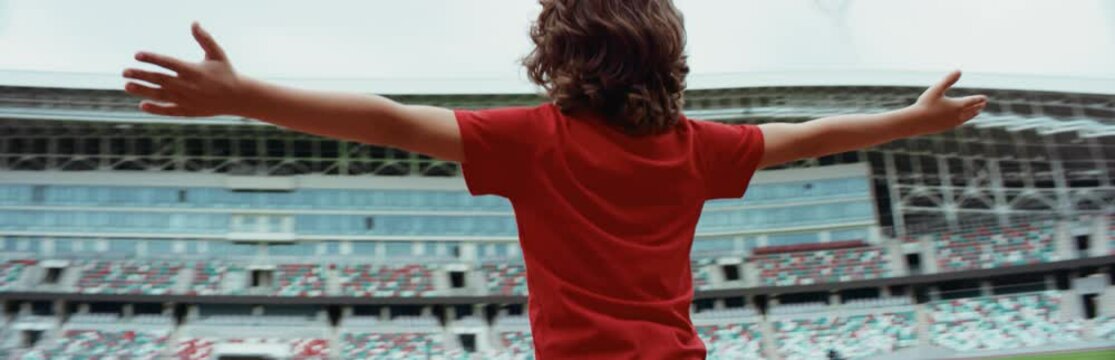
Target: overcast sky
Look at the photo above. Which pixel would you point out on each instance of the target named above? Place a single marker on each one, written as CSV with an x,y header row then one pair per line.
x,y
476,44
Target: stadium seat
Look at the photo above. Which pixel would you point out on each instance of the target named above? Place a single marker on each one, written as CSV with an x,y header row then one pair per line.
x,y
128,277
516,345
391,346
702,273
815,267
299,348
302,280
506,279
732,341
1104,327
851,336
103,344
1111,235
364,280
12,271
1001,322
989,247
209,279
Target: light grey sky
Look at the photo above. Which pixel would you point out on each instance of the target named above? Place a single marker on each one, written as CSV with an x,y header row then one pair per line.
x,y
447,46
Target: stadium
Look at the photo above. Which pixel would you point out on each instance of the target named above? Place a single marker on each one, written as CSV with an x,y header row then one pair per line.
x,y
128,236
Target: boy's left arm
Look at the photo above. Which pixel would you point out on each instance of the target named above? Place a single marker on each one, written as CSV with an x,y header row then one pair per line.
x,y
933,113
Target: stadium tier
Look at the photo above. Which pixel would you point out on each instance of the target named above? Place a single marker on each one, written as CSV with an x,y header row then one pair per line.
x,y
300,349
1001,322
300,280
989,247
805,267
732,340
11,273
1111,235
852,336
210,278
505,279
386,280
390,346
1105,327
103,344
702,273
515,345
128,277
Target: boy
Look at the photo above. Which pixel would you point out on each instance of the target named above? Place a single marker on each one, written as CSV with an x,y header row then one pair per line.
x,y
607,181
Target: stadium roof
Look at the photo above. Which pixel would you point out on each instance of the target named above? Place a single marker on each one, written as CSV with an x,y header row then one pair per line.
x,y
117,107
455,47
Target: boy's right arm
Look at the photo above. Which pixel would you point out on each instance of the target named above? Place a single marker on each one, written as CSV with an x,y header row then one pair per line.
x,y
211,87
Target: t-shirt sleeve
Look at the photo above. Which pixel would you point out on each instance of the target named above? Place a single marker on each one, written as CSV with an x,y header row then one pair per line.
x,y
498,148
730,156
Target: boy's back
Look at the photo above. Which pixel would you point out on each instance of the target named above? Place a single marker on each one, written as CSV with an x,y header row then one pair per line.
x,y
606,220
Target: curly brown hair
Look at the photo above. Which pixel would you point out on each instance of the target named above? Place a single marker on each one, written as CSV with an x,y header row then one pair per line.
x,y
623,59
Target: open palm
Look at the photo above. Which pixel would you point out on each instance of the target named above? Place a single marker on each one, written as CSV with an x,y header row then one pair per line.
x,y
944,113
205,88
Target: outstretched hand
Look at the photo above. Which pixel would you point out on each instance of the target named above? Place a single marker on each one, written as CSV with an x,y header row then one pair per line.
x,y
943,113
205,88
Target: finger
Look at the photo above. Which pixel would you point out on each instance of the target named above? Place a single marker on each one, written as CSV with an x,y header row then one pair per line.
x,y
973,100
969,115
148,92
977,107
156,78
212,50
971,112
941,87
167,62
166,109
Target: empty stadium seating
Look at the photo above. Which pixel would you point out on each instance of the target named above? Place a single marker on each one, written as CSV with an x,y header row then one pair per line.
x,y
1104,327
386,280
732,341
505,279
12,271
103,344
851,336
299,280
702,273
390,346
1001,322
209,278
1111,235
515,345
988,247
128,277
814,267
299,349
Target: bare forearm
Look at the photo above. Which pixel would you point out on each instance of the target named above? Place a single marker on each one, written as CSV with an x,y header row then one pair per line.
x,y
786,142
331,114
844,133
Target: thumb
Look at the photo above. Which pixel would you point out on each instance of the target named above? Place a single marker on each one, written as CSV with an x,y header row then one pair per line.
x,y
941,87
212,50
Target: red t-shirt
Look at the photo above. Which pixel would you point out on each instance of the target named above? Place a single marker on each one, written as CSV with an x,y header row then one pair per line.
x,y
606,222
